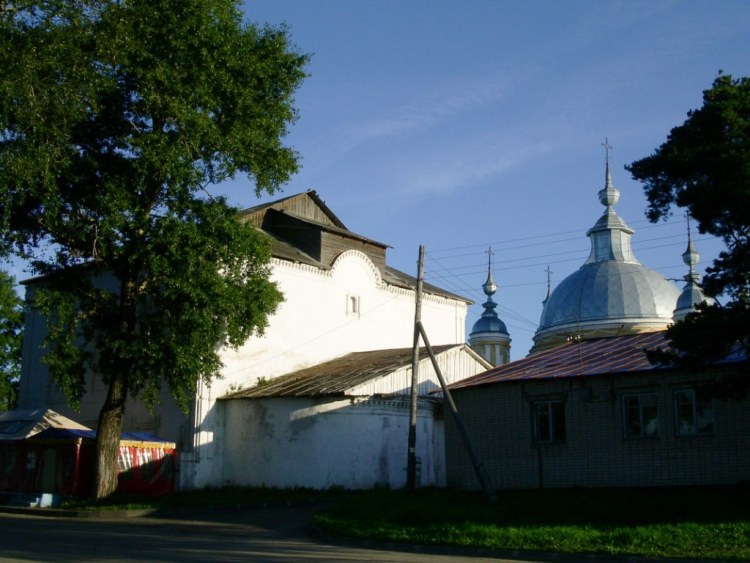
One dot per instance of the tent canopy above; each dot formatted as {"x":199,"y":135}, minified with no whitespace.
{"x":23,"y":424}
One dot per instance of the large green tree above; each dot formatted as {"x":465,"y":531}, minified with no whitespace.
{"x":704,"y":167}
{"x":11,"y":320}
{"x":116,"y":117}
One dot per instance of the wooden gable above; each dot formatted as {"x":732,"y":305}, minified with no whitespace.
{"x":305,"y":222}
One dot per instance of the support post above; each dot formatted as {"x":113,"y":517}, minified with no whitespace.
{"x":479,"y":468}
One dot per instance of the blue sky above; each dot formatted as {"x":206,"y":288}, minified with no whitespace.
{"x":467,"y":124}
{"x":464,"y":124}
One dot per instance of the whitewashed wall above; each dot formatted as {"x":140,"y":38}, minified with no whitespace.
{"x":315,"y":322}
{"x":346,"y":443}
{"x":353,"y":442}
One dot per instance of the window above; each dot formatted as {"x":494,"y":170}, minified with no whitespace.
{"x":694,"y":412}
{"x":641,"y":415}
{"x":352,"y":305}
{"x":549,"y":421}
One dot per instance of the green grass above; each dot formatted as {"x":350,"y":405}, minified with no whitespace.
{"x":681,"y":523}
{"x":677,"y":523}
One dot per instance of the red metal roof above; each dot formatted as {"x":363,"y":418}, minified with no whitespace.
{"x":619,"y":354}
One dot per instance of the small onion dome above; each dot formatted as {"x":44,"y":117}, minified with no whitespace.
{"x":489,"y":336}
{"x":692,"y":294}
{"x":489,"y":322}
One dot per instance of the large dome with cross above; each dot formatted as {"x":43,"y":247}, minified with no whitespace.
{"x":612,"y":293}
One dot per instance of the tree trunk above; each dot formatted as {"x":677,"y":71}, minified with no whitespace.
{"x":108,"y":437}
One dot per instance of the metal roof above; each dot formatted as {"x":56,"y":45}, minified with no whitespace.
{"x":602,"y":291}
{"x":337,"y":376}
{"x":598,"y":356}
{"x":397,"y":278}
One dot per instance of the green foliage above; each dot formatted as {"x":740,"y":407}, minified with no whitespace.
{"x":115,"y":119}
{"x":703,"y":167}
{"x":11,"y":319}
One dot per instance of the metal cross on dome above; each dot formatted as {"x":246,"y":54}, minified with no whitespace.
{"x":607,"y":148}
{"x":489,"y":254}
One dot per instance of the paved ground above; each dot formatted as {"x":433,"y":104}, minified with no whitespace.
{"x":258,"y":534}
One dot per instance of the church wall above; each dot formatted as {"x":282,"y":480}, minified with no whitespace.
{"x":325,"y":443}
{"x":595,"y":451}
{"x":318,"y":321}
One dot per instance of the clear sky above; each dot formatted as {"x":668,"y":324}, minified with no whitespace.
{"x":464,"y":124}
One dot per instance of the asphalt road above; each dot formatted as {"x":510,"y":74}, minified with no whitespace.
{"x":259,"y":534}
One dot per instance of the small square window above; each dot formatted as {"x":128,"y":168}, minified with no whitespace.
{"x":549,"y":421}
{"x":694,"y":412}
{"x":641,"y":415}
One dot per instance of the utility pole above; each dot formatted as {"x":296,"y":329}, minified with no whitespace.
{"x":411,"y":465}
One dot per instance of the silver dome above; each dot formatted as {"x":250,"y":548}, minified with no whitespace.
{"x":612,"y":293}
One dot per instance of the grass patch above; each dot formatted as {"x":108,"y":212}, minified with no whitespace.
{"x":679,"y":523}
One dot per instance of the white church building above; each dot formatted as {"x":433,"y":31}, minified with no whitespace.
{"x":321,"y":399}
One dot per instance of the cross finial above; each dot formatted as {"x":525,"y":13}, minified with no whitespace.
{"x":549,"y":282}
{"x":489,"y":254}
{"x":607,"y":148}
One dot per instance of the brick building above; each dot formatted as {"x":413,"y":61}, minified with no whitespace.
{"x":596,"y":413}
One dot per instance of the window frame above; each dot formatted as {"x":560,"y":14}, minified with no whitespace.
{"x":556,"y":433}
{"x":644,"y":420}
{"x":698,"y":400}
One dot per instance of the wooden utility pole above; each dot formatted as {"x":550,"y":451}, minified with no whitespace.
{"x":411,"y":464}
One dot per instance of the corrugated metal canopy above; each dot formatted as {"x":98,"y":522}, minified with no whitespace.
{"x":619,"y":354}
{"x":336,"y":377}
